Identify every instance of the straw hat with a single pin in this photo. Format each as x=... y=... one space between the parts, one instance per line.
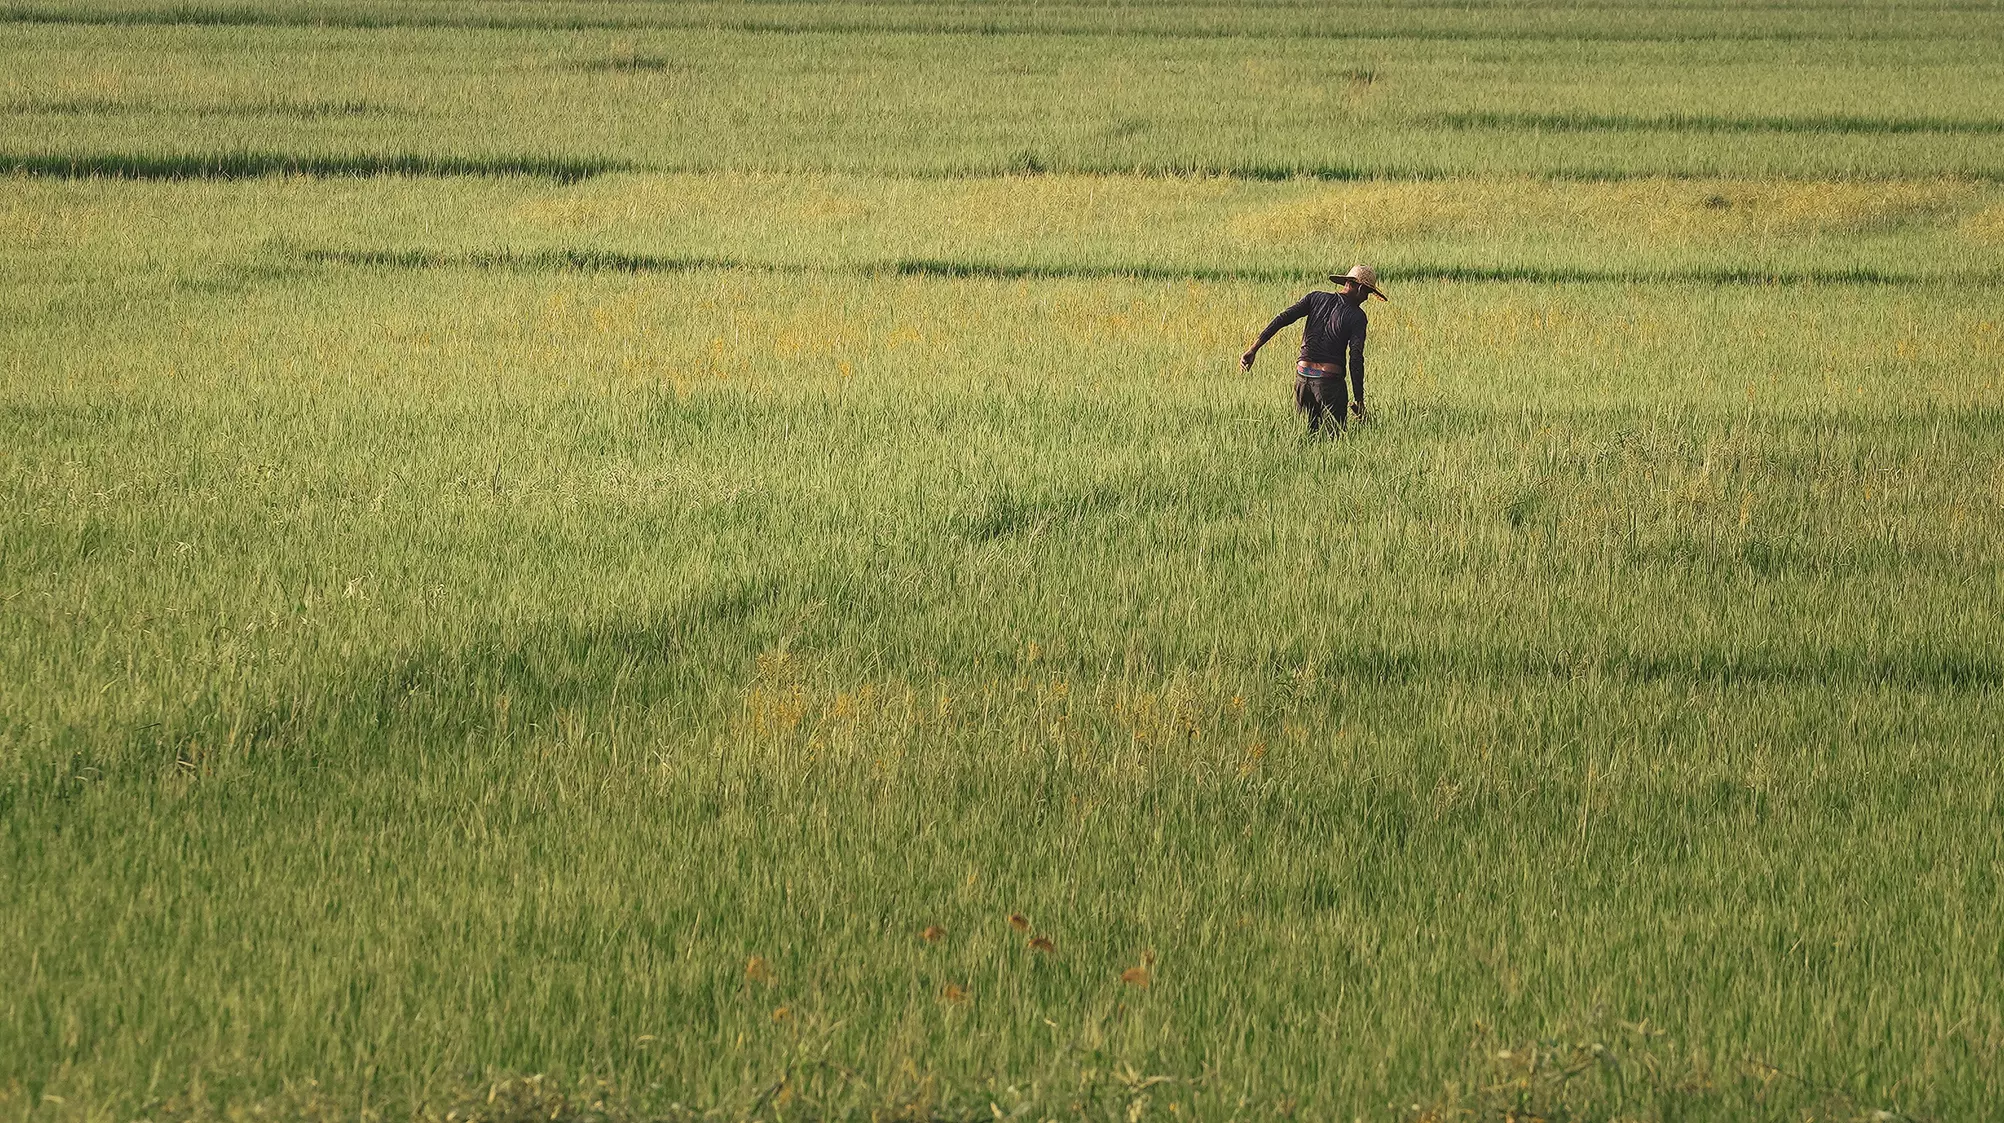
x=1366 y=277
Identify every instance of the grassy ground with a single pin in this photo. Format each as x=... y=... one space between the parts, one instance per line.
x=455 y=628
x=1617 y=90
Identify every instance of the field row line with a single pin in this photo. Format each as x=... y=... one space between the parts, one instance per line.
x=181 y=15
x=574 y=169
x=1484 y=121
x=613 y=261
x=1845 y=124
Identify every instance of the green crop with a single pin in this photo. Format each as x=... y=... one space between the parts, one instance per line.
x=638 y=561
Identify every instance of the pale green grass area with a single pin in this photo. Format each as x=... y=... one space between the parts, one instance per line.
x=1861 y=94
x=1029 y=228
x=591 y=618
x=426 y=669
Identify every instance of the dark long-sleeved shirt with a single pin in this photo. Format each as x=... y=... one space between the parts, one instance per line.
x=1335 y=328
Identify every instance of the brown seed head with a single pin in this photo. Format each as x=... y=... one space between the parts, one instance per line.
x=954 y=994
x=1043 y=944
x=758 y=970
x=1136 y=977
x=933 y=934
x=782 y=1013
x=1019 y=922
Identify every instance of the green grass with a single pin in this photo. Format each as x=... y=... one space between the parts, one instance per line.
x=1910 y=91
x=455 y=627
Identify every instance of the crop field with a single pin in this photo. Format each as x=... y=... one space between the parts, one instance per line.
x=630 y=561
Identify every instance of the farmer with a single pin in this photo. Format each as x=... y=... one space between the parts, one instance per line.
x=1335 y=329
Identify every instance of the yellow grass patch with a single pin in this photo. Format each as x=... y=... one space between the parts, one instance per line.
x=1657 y=209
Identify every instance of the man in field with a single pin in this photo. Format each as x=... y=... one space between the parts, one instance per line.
x=1334 y=331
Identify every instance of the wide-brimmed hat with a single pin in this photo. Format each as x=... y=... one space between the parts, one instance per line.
x=1365 y=276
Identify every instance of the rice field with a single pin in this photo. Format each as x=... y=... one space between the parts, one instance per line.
x=642 y=561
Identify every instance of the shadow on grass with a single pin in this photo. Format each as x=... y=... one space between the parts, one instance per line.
x=1007 y=515
x=675 y=666
x=678 y=659
x=1942 y=669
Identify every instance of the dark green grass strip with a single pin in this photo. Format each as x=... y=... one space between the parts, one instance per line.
x=1943 y=670
x=1435 y=272
x=1709 y=123
x=1026 y=164
x=931 y=23
x=564 y=667
x=613 y=261
x=579 y=261
x=631 y=64
x=572 y=169
x=105 y=107
x=249 y=165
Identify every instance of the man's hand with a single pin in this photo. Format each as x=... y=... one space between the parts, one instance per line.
x=1245 y=360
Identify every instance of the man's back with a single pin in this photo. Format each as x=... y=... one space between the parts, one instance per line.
x=1335 y=325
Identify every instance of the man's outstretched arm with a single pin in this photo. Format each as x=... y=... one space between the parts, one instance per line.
x=1294 y=312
